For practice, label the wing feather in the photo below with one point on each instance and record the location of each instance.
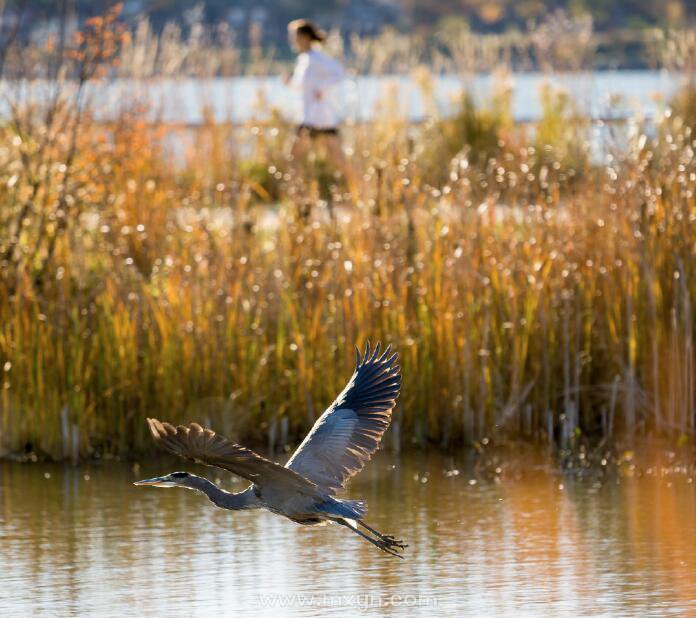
(204, 446)
(348, 433)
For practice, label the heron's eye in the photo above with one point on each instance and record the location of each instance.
(179, 475)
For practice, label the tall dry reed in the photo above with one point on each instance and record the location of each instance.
(530, 290)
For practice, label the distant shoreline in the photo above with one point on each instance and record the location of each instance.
(189, 102)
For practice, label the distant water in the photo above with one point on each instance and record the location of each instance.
(85, 542)
(603, 94)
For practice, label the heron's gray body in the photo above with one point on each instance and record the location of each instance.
(304, 490)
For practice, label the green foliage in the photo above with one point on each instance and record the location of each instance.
(683, 104)
(473, 131)
(261, 178)
(473, 127)
(562, 134)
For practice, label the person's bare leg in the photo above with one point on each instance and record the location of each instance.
(335, 154)
(298, 151)
(297, 158)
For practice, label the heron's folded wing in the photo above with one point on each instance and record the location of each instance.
(204, 446)
(349, 432)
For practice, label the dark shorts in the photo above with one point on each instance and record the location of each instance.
(314, 132)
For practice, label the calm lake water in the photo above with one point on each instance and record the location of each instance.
(599, 94)
(85, 542)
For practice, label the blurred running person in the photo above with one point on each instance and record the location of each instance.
(314, 76)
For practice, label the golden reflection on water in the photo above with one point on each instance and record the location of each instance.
(85, 541)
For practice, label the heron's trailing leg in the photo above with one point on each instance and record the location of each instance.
(382, 542)
(384, 537)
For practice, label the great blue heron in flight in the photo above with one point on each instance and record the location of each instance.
(304, 490)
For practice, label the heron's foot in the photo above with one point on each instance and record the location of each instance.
(385, 542)
(393, 541)
(390, 546)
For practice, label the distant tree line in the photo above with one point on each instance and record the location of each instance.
(621, 28)
(480, 15)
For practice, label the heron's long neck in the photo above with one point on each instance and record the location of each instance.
(224, 499)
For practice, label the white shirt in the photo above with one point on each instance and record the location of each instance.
(315, 74)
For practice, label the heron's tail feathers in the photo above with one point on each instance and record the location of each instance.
(350, 509)
(358, 508)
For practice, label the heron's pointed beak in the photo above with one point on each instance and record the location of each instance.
(158, 481)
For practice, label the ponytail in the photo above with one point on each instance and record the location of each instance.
(308, 29)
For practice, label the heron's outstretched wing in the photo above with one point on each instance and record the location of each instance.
(348, 433)
(206, 447)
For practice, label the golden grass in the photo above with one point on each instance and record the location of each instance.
(529, 290)
(522, 298)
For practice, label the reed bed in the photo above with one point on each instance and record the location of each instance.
(530, 290)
